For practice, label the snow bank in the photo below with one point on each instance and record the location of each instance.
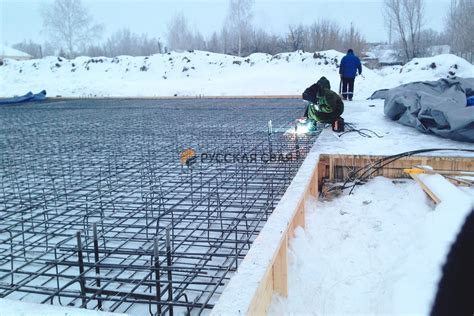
(183, 74)
(199, 73)
(378, 251)
(429, 68)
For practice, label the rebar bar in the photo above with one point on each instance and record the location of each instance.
(98, 209)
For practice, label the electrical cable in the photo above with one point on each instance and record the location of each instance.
(370, 169)
(361, 131)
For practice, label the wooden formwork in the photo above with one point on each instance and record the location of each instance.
(276, 276)
(338, 167)
(250, 291)
(264, 270)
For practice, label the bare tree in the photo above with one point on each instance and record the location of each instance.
(213, 43)
(70, 25)
(149, 46)
(95, 51)
(296, 37)
(324, 34)
(122, 42)
(125, 42)
(179, 36)
(460, 26)
(240, 16)
(225, 39)
(431, 42)
(198, 41)
(260, 41)
(406, 18)
(352, 38)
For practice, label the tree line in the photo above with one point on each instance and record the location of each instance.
(239, 36)
(405, 19)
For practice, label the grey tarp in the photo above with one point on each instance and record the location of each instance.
(434, 107)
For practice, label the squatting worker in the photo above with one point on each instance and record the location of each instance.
(325, 105)
(350, 64)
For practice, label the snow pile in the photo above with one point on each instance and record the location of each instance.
(378, 251)
(174, 74)
(199, 73)
(429, 68)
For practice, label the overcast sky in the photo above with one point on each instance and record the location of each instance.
(20, 19)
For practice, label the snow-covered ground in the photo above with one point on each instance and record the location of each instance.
(378, 251)
(200, 73)
(394, 137)
(18, 308)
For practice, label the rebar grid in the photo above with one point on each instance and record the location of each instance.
(98, 211)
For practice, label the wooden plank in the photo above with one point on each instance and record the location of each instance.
(331, 168)
(342, 164)
(263, 296)
(425, 188)
(277, 280)
(315, 182)
(280, 270)
(460, 181)
(447, 172)
(298, 219)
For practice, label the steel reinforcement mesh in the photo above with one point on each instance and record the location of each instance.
(138, 206)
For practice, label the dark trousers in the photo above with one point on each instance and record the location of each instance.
(347, 88)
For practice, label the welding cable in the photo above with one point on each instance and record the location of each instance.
(362, 131)
(366, 172)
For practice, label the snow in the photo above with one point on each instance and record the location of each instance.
(381, 249)
(441, 187)
(377, 251)
(429, 68)
(18, 308)
(11, 52)
(396, 138)
(199, 73)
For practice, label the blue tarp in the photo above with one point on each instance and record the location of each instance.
(29, 97)
(470, 101)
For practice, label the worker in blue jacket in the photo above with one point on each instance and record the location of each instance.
(350, 64)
